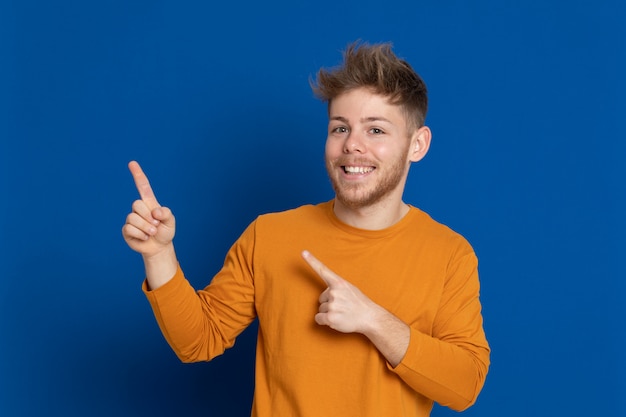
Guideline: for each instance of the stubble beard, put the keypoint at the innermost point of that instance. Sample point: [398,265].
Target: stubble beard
[358,196]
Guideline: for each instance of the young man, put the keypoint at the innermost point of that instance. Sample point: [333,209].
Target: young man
[366,306]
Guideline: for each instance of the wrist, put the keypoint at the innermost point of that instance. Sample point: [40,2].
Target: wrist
[389,334]
[160,267]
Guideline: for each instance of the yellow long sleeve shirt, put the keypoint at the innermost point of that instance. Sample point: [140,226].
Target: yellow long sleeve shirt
[418,269]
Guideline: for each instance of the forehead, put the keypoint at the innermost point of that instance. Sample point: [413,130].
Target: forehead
[362,103]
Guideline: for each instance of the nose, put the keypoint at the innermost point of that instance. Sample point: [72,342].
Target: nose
[353,144]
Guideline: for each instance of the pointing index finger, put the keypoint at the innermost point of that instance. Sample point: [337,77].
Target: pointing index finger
[143,185]
[328,276]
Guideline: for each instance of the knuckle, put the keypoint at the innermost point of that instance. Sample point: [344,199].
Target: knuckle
[133,219]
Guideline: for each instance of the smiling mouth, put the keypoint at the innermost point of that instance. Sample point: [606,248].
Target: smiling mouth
[352,170]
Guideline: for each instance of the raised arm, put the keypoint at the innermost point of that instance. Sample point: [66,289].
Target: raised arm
[149,230]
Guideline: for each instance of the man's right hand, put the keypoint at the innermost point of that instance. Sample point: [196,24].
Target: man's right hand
[149,230]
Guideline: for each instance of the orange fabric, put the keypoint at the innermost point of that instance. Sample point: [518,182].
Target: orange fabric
[418,269]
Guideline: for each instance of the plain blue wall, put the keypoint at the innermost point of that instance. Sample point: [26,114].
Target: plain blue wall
[527,110]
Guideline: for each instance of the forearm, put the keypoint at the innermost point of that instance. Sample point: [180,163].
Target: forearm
[183,320]
[442,371]
[200,325]
[452,374]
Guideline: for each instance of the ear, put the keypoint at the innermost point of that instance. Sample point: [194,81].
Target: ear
[420,142]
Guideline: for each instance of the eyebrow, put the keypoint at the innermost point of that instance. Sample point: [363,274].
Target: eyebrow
[365,119]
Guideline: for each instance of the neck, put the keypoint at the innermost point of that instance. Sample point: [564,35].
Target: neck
[378,216]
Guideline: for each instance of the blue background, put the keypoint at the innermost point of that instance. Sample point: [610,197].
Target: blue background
[527,110]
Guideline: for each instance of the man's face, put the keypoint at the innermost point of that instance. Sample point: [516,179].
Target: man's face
[367,149]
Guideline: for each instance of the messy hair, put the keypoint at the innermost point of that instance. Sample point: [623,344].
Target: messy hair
[376,67]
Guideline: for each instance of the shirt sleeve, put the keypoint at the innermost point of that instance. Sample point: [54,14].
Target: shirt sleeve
[450,365]
[200,325]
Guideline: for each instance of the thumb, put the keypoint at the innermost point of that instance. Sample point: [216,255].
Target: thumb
[163,215]
[329,277]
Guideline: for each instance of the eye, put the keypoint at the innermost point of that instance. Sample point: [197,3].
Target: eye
[340,129]
[377,131]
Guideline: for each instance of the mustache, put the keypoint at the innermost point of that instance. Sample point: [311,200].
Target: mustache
[352,161]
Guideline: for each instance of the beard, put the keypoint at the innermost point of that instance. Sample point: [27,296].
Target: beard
[357,196]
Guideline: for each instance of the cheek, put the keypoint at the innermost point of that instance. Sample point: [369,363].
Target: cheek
[332,149]
[382,152]
[391,151]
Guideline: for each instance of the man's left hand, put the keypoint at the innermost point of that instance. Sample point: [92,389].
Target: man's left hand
[343,307]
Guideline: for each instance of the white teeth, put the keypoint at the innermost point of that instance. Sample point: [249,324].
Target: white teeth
[357,170]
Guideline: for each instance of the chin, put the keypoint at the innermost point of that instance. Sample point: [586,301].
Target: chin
[358,200]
